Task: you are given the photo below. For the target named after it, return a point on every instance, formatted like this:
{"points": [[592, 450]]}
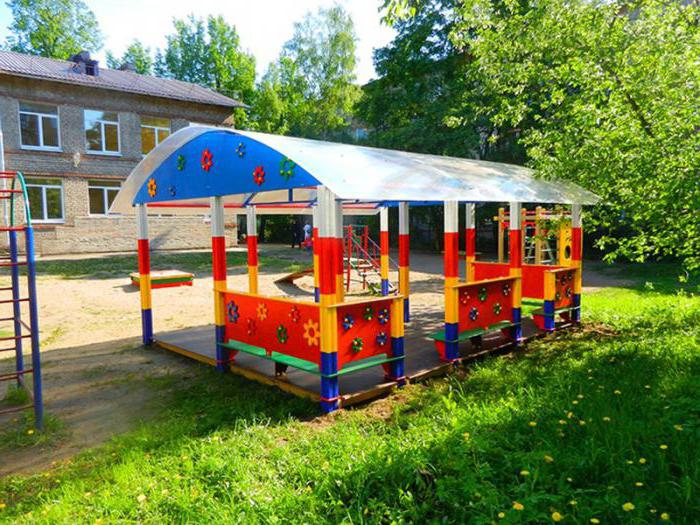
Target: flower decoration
{"points": [[464, 297], [557, 296], [287, 166], [357, 345], [506, 289], [232, 311], [295, 314], [240, 150], [474, 313], [259, 175], [497, 308], [207, 159], [251, 327], [368, 313], [152, 187], [568, 292], [483, 294], [348, 322], [171, 190], [383, 316], [311, 333], [180, 162], [262, 311], [381, 338], [282, 334], [564, 279]]}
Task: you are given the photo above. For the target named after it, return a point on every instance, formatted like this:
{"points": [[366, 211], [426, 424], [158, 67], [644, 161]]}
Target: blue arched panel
{"points": [[219, 163]]}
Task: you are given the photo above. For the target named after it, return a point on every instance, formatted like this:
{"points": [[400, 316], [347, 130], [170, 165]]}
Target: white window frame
{"points": [[44, 187], [39, 116], [105, 201], [102, 123], [155, 129]]}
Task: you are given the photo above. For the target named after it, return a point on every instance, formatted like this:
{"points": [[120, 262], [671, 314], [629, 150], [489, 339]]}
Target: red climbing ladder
{"points": [[362, 255]]}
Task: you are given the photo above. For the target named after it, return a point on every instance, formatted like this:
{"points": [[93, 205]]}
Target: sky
{"points": [[263, 25]]}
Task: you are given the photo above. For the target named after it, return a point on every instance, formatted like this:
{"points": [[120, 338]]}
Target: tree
{"points": [[208, 53], [52, 28], [312, 83], [137, 55], [604, 94]]}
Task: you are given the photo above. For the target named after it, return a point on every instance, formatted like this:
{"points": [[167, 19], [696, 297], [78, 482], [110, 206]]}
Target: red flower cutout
{"points": [[259, 175], [207, 160]]}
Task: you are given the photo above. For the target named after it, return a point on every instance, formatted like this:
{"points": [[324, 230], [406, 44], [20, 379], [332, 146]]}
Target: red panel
{"points": [[533, 279], [252, 250], [451, 254], [516, 246], [315, 239], [404, 249], [471, 242], [490, 270], [564, 288], [576, 244], [366, 329], [488, 302], [383, 243], [218, 256], [326, 274], [339, 255], [257, 319], [144, 256]]}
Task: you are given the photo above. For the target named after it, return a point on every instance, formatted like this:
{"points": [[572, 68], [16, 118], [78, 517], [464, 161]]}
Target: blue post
{"points": [[330, 392], [34, 324], [549, 316], [451, 341], [397, 367], [576, 312], [16, 310], [517, 329]]}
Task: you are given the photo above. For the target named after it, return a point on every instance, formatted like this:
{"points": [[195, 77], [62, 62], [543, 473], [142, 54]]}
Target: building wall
{"points": [[73, 165]]}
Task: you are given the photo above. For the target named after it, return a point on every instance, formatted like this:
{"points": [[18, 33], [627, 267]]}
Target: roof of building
{"points": [[248, 168], [30, 66]]}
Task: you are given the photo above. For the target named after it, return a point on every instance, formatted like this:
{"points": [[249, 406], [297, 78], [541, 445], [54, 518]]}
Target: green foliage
{"points": [[580, 424], [599, 93], [208, 53], [52, 28], [16, 394], [137, 55], [310, 90]]}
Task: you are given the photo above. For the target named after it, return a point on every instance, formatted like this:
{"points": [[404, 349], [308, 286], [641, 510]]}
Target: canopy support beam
{"points": [[451, 279], [218, 262], [384, 249], [252, 243], [576, 259], [515, 237], [470, 241], [144, 254]]}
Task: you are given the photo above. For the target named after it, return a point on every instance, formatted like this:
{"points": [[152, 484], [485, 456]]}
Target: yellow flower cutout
{"points": [[262, 311], [152, 187], [628, 506], [311, 333]]}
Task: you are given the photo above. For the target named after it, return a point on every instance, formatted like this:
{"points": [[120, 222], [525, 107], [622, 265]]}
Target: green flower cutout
{"points": [[497, 308], [483, 294], [368, 314], [180, 162], [287, 166], [282, 334], [357, 345]]}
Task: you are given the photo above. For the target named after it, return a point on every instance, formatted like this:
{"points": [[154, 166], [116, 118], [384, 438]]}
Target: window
{"points": [[102, 131], [45, 199], [38, 126], [102, 194], [153, 132]]}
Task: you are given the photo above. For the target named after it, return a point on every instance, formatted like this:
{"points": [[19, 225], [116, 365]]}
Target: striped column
{"points": [[404, 254], [384, 249], [252, 241], [577, 259], [218, 259], [470, 242], [34, 328], [515, 237], [451, 278], [330, 394], [397, 338], [339, 253], [144, 275], [317, 292], [550, 293]]}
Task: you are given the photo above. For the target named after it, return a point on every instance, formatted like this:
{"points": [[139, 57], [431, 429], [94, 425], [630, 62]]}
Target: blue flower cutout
{"points": [[232, 311], [348, 322]]}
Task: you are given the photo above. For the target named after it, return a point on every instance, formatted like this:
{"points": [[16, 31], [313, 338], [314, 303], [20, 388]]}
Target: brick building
{"points": [[76, 131]]}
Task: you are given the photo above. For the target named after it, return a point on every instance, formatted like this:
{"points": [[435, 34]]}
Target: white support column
{"points": [[404, 259], [470, 240], [252, 242]]}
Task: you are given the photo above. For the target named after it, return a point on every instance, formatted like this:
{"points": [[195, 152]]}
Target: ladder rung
{"points": [[13, 349], [14, 337], [19, 263], [7, 319], [15, 409], [12, 228], [15, 375], [8, 190], [20, 300], [6, 289]]}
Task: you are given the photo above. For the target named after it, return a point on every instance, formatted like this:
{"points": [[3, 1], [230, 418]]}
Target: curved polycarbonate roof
{"points": [[256, 168]]}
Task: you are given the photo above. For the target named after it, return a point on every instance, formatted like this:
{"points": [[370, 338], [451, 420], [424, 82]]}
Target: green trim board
{"points": [[463, 336]]}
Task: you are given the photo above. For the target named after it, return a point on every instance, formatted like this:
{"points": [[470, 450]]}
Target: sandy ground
{"points": [[96, 374]]}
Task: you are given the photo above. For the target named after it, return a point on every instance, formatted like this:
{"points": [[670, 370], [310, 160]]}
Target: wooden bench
{"points": [[469, 335]]}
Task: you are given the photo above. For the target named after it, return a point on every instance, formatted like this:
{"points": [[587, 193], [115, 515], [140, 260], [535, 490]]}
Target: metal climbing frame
{"points": [[363, 255], [21, 329]]}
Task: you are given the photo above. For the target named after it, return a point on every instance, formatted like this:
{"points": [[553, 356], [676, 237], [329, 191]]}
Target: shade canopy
{"points": [[248, 168]]}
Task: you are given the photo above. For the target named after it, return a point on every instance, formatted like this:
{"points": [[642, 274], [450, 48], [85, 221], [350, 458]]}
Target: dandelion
{"points": [[533, 423], [562, 421], [88, 494], [501, 515], [663, 447], [627, 507], [518, 506], [580, 396], [642, 461], [556, 516], [569, 480], [630, 462], [2, 506], [606, 419], [617, 392], [594, 520], [30, 431], [573, 503], [164, 492], [665, 516], [467, 435], [653, 511], [548, 459], [574, 402], [582, 422], [141, 498], [639, 484], [678, 427], [524, 473], [647, 387], [569, 415]]}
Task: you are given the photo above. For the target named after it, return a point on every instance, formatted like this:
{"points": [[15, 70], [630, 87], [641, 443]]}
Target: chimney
{"points": [[84, 64]]}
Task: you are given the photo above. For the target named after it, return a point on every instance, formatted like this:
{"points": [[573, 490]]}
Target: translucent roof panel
{"points": [[247, 168]]}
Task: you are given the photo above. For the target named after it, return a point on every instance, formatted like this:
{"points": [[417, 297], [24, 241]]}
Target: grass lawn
{"points": [[599, 426]]}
